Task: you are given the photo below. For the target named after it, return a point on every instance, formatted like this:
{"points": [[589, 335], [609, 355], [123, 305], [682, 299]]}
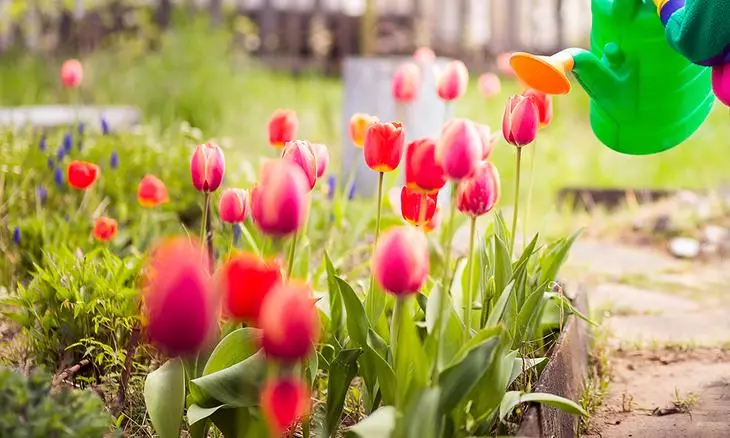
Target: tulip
{"points": [[422, 172], [322, 155], [16, 235], [283, 126], [233, 206], [151, 192], [283, 402], [207, 167], [179, 301], [279, 201], [406, 81], [246, 280], [289, 322], [358, 127], [489, 140], [477, 195], [453, 81], [434, 222], [721, 83], [81, 174], [544, 104], [400, 260], [424, 55], [459, 149], [384, 146], [71, 73], [302, 154], [520, 122], [105, 229], [417, 208], [114, 160], [489, 85]]}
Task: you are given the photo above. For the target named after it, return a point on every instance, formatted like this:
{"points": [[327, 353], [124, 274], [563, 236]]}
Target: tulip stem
{"points": [[371, 291], [395, 323], [515, 211], [533, 158], [292, 251], [249, 239], [469, 294], [206, 231]]}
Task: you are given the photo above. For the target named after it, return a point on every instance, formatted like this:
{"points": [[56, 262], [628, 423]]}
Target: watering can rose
{"points": [[207, 167], [152, 192], [233, 206], [246, 281], [423, 173], [81, 174], [302, 154], [279, 201], [459, 148], [283, 127], [400, 260]]}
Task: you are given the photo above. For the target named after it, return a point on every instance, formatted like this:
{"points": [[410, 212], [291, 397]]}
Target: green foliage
{"points": [[29, 408]]}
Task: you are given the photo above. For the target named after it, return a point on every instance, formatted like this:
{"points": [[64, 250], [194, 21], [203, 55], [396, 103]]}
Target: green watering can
{"points": [[645, 96]]}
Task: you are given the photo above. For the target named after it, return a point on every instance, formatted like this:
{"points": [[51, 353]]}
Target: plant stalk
{"points": [[292, 251], [377, 228], [206, 231], [395, 324], [533, 158], [515, 211], [469, 295], [120, 399]]}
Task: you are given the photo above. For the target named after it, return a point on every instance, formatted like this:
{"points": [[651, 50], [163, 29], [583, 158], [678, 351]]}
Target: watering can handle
{"points": [[626, 9]]}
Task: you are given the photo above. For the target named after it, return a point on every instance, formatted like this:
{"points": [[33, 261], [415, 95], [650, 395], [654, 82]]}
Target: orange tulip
{"points": [[279, 201], [81, 174], [422, 171], [105, 229], [411, 203], [459, 149], [453, 81], [359, 124], [283, 127], [151, 192], [246, 281], [519, 125], [489, 85], [233, 206], [384, 146], [207, 167], [283, 402], [322, 155], [71, 73], [289, 322], [301, 153], [544, 104], [400, 260], [478, 194], [406, 81], [424, 55]]}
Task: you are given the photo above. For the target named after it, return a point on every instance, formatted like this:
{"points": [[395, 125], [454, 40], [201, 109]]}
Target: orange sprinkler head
{"points": [[547, 74]]}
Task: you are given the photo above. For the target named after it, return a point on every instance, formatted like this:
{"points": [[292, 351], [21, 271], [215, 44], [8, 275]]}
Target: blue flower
{"points": [[51, 163], [68, 142], [60, 154], [42, 194], [82, 128], [104, 126], [114, 160], [331, 187], [351, 192], [42, 143], [58, 177], [237, 232], [16, 235]]}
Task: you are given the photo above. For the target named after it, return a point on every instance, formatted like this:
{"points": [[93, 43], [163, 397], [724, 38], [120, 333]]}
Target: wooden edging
{"points": [[564, 375]]}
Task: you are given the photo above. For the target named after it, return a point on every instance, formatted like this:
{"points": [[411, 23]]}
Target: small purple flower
{"points": [[331, 187], [237, 232], [58, 177], [351, 192], [68, 142], [114, 160], [42, 143], [51, 163], [82, 128], [42, 194], [16, 235], [104, 126], [60, 154]]}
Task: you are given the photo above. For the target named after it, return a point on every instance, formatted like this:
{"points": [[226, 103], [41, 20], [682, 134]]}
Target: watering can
{"points": [[645, 96]]}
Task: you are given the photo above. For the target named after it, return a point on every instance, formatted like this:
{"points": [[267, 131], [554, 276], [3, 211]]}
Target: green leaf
{"points": [[301, 264], [384, 373], [457, 381], [337, 311], [502, 264], [197, 413], [521, 365], [494, 383], [564, 301], [375, 302], [498, 310], [164, 396], [422, 419], [529, 311], [379, 424], [514, 398], [357, 321], [554, 257], [234, 423], [475, 341], [411, 362], [342, 371], [234, 348], [237, 385]]}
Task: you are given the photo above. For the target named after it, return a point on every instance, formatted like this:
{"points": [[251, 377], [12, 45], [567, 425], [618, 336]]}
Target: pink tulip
{"points": [[279, 201], [400, 260], [322, 155], [424, 55], [406, 82], [489, 140], [489, 85], [289, 321], [233, 206], [721, 83], [478, 194], [520, 122], [459, 149], [71, 73], [453, 81], [301, 153], [503, 64], [207, 167]]}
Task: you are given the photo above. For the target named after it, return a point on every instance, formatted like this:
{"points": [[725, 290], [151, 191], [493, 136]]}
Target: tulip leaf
{"points": [[521, 365], [237, 385], [337, 311], [454, 329], [495, 316], [196, 413], [422, 419], [457, 381], [564, 301], [237, 346], [301, 262], [375, 301], [502, 264], [357, 321], [487, 394], [342, 370], [164, 396], [554, 256], [411, 362], [236, 423], [379, 424], [514, 398]]}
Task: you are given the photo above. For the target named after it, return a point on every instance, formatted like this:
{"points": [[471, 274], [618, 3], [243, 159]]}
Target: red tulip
{"points": [[422, 171], [322, 155], [105, 229], [721, 83], [233, 206], [489, 140], [519, 125], [400, 260], [424, 55], [453, 81], [283, 127], [246, 281], [406, 82], [71, 73], [489, 85], [279, 201], [81, 174], [301, 153], [478, 194], [180, 303], [283, 402], [434, 222], [151, 192], [459, 149], [359, 125], [411, 203], [544, 104], [207, 167], [384, 146], [289, 321]]}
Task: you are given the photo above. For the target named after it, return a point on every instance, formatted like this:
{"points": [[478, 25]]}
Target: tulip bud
{"points": [[489, 85], [283, 127], [358, 127], [519, 125], [424, 55], [81, 174], [289, 321], [152, 192], [422, 171], [279, 201], [322, 155], [246, 281], [179, 301], [453, 81], [207, 167], [478, 194], [233, 206], [384, 146], [721, 83], [71, 73], [406, 82], [283, 402], [105, 229], [544, 104], [400, 260], [301, 153], [411, 203], [459, 149]]}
